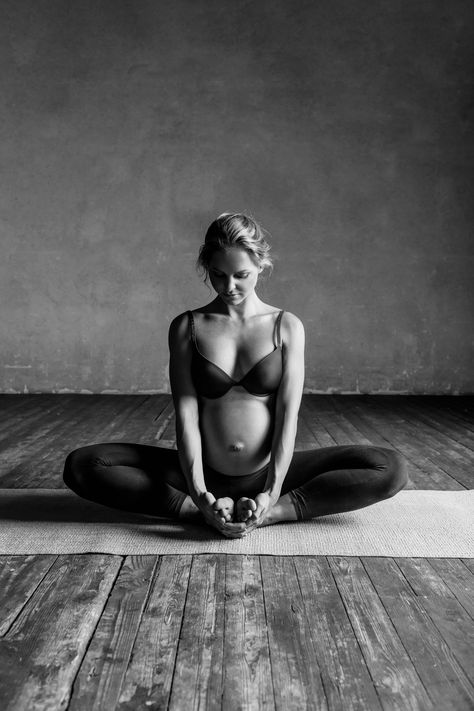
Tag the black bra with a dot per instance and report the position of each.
(212, 382)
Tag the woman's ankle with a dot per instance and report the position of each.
(188, 509)
(283, 510)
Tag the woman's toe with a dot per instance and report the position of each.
(224, 508)
(245, 507)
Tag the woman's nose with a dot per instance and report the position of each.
(230, 285)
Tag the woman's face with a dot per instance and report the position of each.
(233, 274)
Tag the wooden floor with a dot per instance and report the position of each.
(85, 632)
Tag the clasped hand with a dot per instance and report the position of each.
(234, 520)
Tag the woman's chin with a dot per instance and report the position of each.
(234, 299)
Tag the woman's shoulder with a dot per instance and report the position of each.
(181, 324)
(179, 319)
(179, 327)
(286, 317)
(290, 320)
(291, 327)
(186, 316)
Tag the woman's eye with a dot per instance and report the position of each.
(242, 276)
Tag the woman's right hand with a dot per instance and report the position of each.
(205, 503)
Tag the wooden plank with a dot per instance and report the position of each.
(198, 681)
(458, 579)
(99, 425)
(44, 647)
(439, 671)
(149, 675)
(423, 578)
(469, 563)
(140, 426)
(19, 578)
(445, 452)
(355, 410)
(52, 420)
(165, 427)
(435, 420)
(297, 681)
(460, 409)
(169, 433)
(38, 459)
(166, 416)
(397, 438)
(127, 408)
(465, 403)
(13, 406)
(9, 402)
(346, 679)
(405, 414)
(413, 440)
(107, 421)
(93, 424)
(440, 408)
(26, 416)
(247, 671)
(453, 622)
(455, 448)
(305, 438)
(314, 423)
(396, 680)
(23, 463)
(99, 681)
(339, 427)
(338, 404)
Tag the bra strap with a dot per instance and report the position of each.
(277, 329)
(191, 327)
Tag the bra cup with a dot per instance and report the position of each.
(206, 381)
(265, 376)
(212, 382)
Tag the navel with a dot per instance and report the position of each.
(236, 446)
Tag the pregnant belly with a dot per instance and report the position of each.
(236, 432)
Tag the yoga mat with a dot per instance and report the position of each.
(413, 523)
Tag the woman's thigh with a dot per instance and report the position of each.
(125, 475)
(350, 460)
(343, 478)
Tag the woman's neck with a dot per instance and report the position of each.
(251, 306)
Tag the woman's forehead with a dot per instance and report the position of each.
(232, 258)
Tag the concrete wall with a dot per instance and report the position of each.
(345, 126)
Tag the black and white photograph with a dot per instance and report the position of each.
(237, 355)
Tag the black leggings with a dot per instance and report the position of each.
(148, 479)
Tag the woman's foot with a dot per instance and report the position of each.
(224, 509)
(244, 509)
(283, 510)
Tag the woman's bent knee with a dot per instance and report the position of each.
(69, 472)
(79, 463)
(396, 476)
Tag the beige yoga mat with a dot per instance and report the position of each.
(413, 523)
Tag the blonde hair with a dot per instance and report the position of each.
(234, 229)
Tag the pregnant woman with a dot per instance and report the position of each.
(236, 371)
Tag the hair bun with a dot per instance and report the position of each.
(235, 229)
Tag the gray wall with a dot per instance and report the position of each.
(343, 125)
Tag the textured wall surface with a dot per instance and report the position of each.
(344, 126)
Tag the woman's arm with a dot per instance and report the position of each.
(288, 402)
(188, 435)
